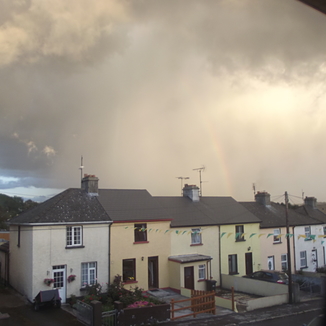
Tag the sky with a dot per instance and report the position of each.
(148, 91)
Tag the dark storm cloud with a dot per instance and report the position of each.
(146, 89)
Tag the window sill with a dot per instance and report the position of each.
(196, 244)
(307, 239)
(202, 280)
(240, 240)
(139, 242)
(277, 242)
(74, 247)
(129, 282)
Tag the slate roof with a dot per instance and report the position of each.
(208, 211)
(70, 206)
(131, 205)
(274, 215)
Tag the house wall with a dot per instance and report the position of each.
(43, 247)
(174, 275)
(21, 260)
(181, 245)
(269, 248)
(229, 246)
(123, 247)
(301, 245)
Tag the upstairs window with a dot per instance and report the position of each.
(277, 235)
(196, 236)
(140, 232)
(74, 236)
(307, 232)
(239, 233)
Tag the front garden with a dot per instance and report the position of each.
(117, 294)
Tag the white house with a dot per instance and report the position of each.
(63, 242)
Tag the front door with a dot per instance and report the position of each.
(270, 263)
(59, 276)
(153, 272)
(314, 259)
(248, 257)
(189, 278)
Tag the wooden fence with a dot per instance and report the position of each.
(200, 302)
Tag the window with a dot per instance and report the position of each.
(303, 259)
(239, 233)
(307, 232)
(88, 274)
(141, 232)
(74, 236)
(324, 230)
(196, 236)
(277, 235)
(202, 272)
(233, 264)
(129, 270)
(284, 262)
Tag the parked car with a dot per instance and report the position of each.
(270, 276)
(317, 321)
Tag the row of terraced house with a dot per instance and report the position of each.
(88, 235)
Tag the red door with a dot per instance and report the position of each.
(189, 278)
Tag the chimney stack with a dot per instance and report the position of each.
(192, 192)
(263, 198)
(311, 202)
(90, 184)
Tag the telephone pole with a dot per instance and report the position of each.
(288, 246)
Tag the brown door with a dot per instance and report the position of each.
(248, 263)
(189, 278)
(153, 272)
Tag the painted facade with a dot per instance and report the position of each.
(273, 243)
(148, 259)
(40, 252)
(240, 255)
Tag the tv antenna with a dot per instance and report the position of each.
(254, 188)
(182, 178)
(200, 170)
(81, 168)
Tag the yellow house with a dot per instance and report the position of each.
(199, 249)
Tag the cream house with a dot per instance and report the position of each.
(62, 243)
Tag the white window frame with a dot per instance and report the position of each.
(284, 262)
(196, 238)
(307, 232)
(74, 236)
(303, 259)
(202, 272)
(88, 273)
(277, 238)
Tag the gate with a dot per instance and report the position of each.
(200, 302)
(109, 318)
(84, 313)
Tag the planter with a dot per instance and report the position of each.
(144, 315)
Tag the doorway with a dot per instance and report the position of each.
(153, 273)
(59, 277)
(248, 257)
(270, 263)
(189, 277)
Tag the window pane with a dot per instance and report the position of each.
(129, 272)
(140, 232)
(196, 236)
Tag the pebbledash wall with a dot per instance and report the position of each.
(42, 247)
(123, 246)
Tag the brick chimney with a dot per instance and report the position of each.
(192, 192)
(90, 184)
(310, 202)
(263, 198)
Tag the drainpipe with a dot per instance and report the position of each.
(109, 255)
(219, 255)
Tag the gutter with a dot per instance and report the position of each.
(62, 223)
